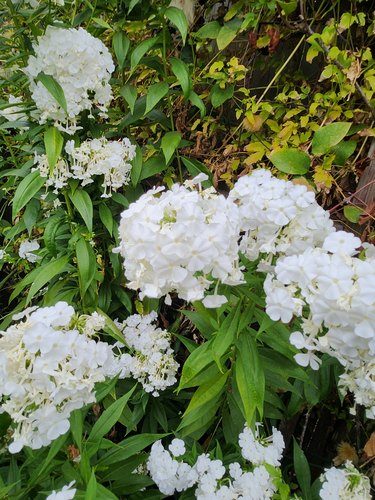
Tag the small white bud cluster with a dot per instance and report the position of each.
(152, 363)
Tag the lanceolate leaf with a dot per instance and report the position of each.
(169, 144)
(53, 142)
(155, 93)
(178, 18)
(181, 71)
(27, 189)
(54, 88)
(82, 202)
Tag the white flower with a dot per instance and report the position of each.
(342, 242)
(48, 368)
(26, 250)
(345, 484)
(261, 450)
(179, 241)
(66, 493)
(81, 65)
(152, 363)
(277, 216)
(213, 301)
(177, 447)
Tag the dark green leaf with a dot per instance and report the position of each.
(86, 262)
(82, 202)
(181, 71)
(219, 95)
(178, 18)
(155, 93)
(129, 93)
(53, 142)
(169, 144)
(121, 44)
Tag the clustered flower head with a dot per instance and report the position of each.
(49, 365)
(345, 484)
(277, 216)
(208, 475)
(96, 157)
(152, 363)
(180, 240)
(339, 289)
(27, 249)
(81, 64)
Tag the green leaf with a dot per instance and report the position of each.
(249, 377)
(291, 161)
(178, 18)
(288, 7)
(181, 72)
(140, 51)
(54, 88)
(102, 23)
(120, 44)
(352, 213)
(86, 262)
(302, 470)
(155, 93)
(225, 37)
(46, 274)
(76, 426)
(153, 166)
(137, 166)
(26, 190)
(209, 30)
(31, 213)
(195, 363)
(128, 447)
(195, 167)
(169, 144)
(211, 390)
(219, 96)
(197, 101)
(129, 93)
(54, 448)
(90, 493)
(343, 151)
(328, 136)
(226, 335)
(53, 142)
(109, 417)
(82, 202)
(106, 217)
(132, 4)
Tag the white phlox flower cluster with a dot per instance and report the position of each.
(96, 157)
(66, 493)
(81, 64)
(180, 240)
(277, 216)
(49, 365)
(102, 157)
(258, 450)
(339, 289)
(346, 483)
(361, 382)
(35, 3)
(171, 475)
(152, 363)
